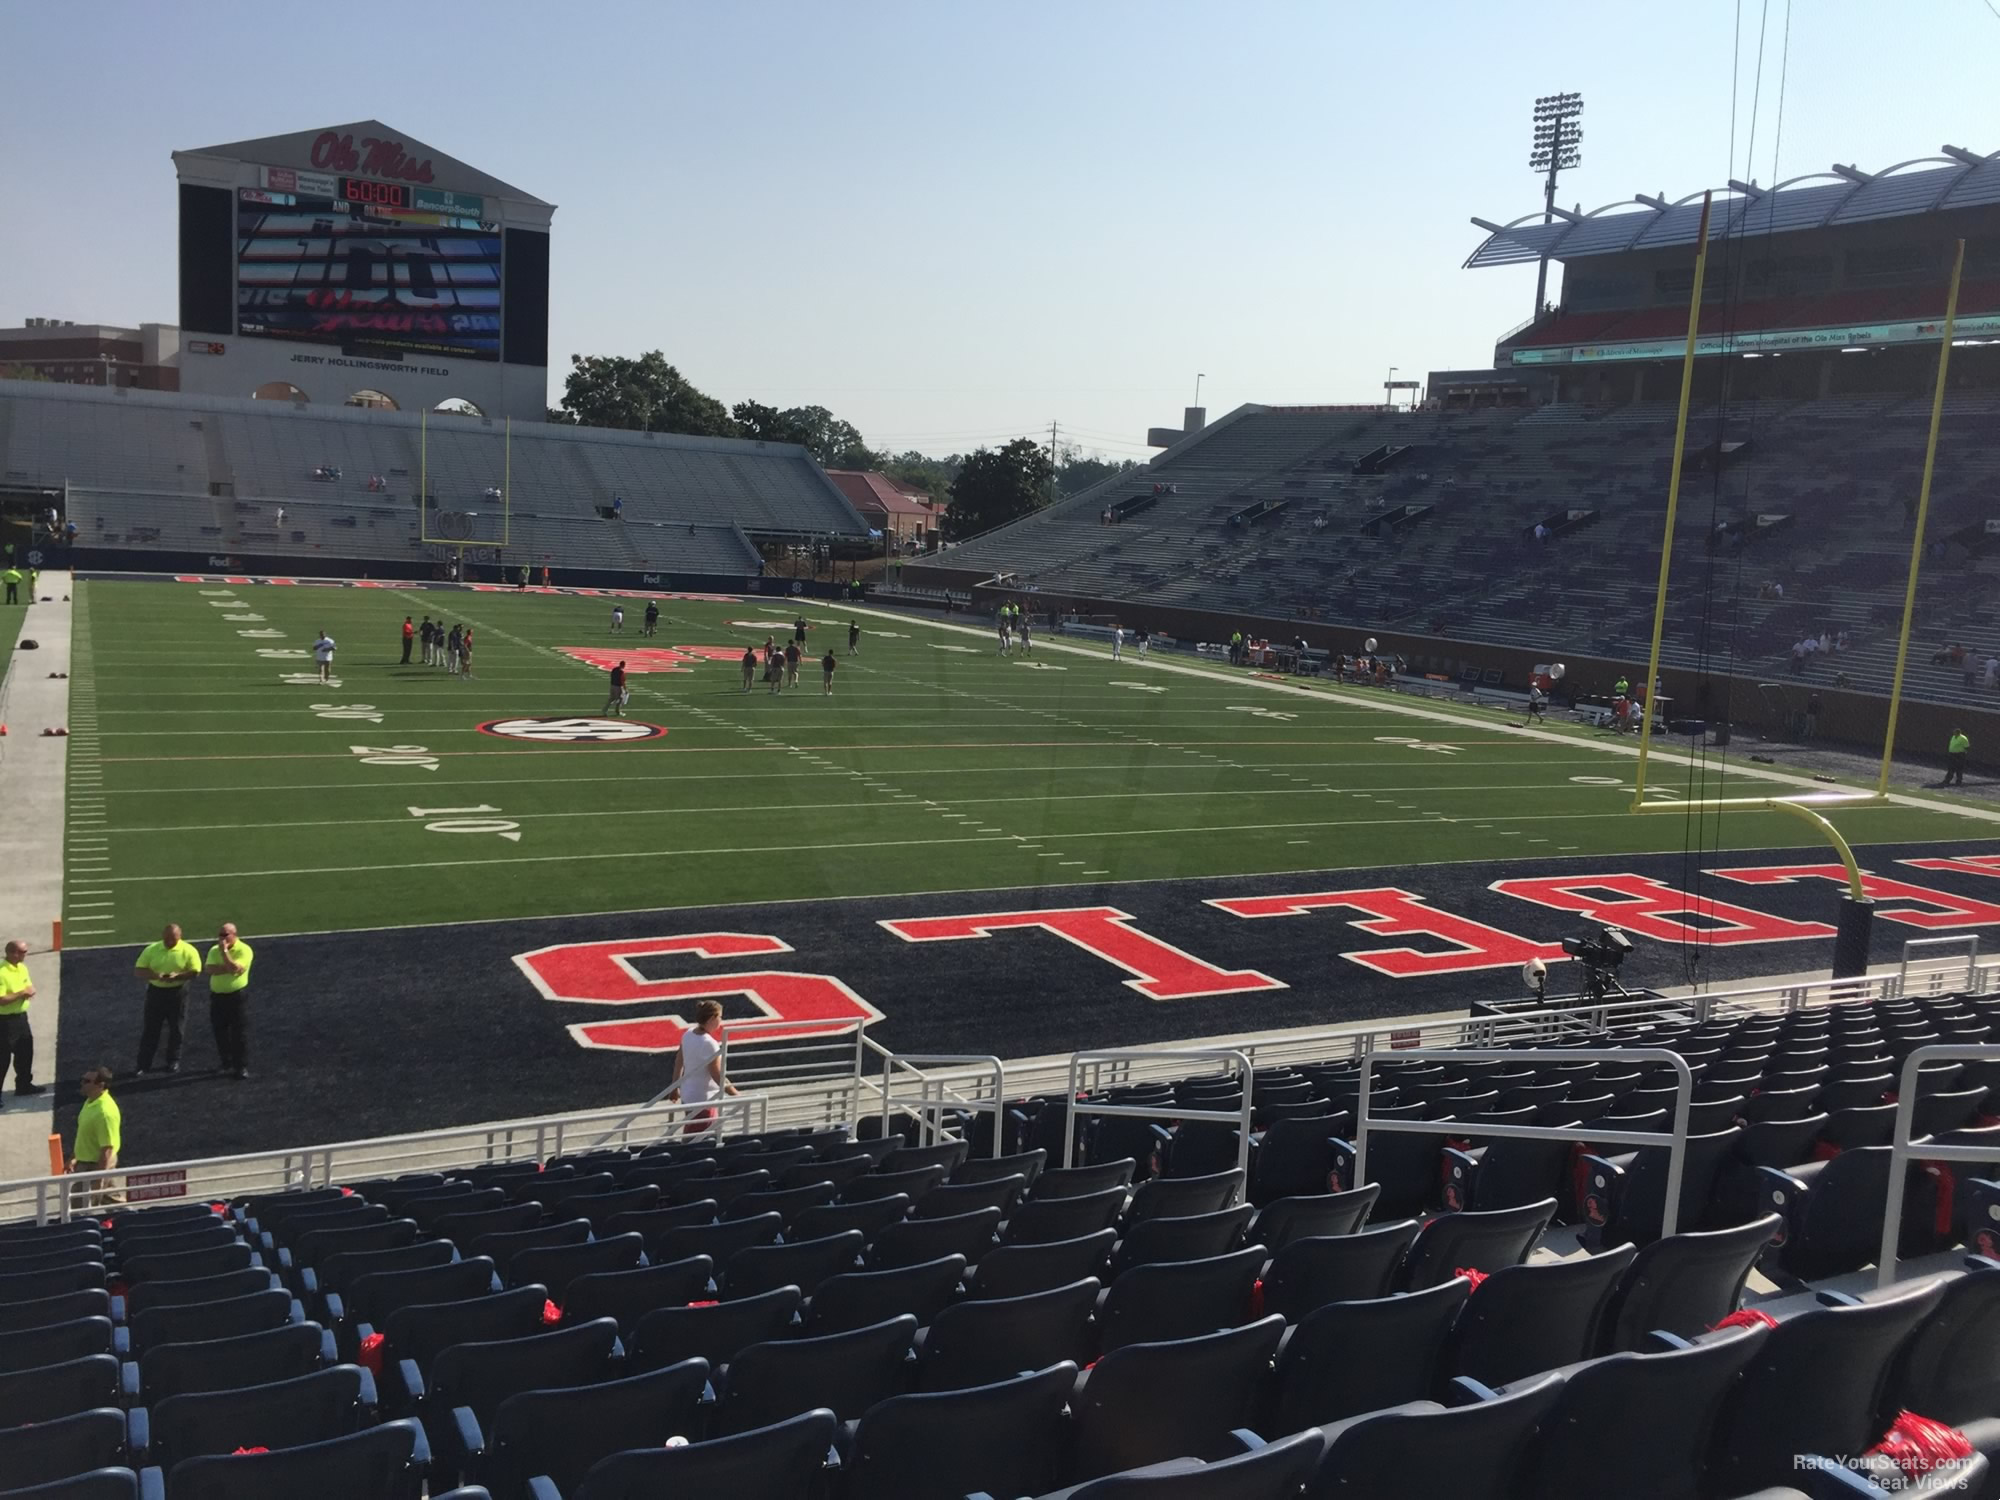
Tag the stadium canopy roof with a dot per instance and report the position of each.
(1818, 200)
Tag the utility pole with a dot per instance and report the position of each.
(1556, 148)
(1052, 463)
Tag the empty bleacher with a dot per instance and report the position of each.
(147, 471)
(1470, 569)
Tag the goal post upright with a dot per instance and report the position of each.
(1923, 515)
(1647, 696)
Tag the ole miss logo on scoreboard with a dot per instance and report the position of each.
(1317, 948)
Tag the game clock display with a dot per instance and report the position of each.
(374, 194)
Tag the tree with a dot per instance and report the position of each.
(993, 488)
(643, 395)
(837, 444)
(920, 472)
(1077, 473)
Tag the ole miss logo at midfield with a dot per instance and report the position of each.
(651, 658)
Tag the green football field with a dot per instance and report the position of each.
(211, 778)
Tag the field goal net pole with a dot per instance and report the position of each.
(1851, 943)
(424, 495)
(1923, 514)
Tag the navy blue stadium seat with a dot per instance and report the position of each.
(559, 1433)
(97, 1484)
(1281, 1220)
(717, 1241)
(42, 1452)
(1177, 1197)
(628, 1296)
(1312, 1272)
(716, 1332)
(1005, 1437)
(1178, 1299)
(1527, 1318)
(228, 1364)
(1480, 1240)
(979, 1341)
(53, 1343)
(857, 1298)
(378, 1463)
(843, 1372)
(1469, 1452)
(1182, 1237)
(868, 1216)
(1267, 1471)
(194, 1321)
(785, 1461)
(505, 1247)
(1349, 1357)
(414, 1335)
(371, 1300)
(1080, 1182)
(466, 1383)
(225, 1287)
(1683, 1284)
(913, 1241)
(327, 1403)
(1589, 1443)
(800, 1263)
(1043, 1219)
(557, 1266)
(1013, 1270)
(63, 1307)
(1183, 1399)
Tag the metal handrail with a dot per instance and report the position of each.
(1675, 1140)
(319, 1166)
(938, 1094)
(1970, 940)
(1901, 1147)
(1240, 1116)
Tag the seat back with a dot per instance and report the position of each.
(480, 1376)
(628, 1296)
(1528, 1318)
(1296, 1157)
(377, 1461)
(914, 1241)
(1950, 1369)
(313, 1247)
(54, 1343)
(786, 1458)
(211, 1261)
(1349, 1357)
(1683, 1284)
(845, 1372)
(1590, 1443)
(41, 1452)
(193, 1321)
(854, 1299)
(1312, 1272)
(717, 1241)
(1025, 1164)
(1148, 1402)
(373, 1298)
(556, 1266)
(947, 1154)
(800, 1263)
(229, 1364)
(280, 1414)
(344, 1267)
(1175, 1197)
(715, 1333)
(1814, 1387)
(1483, 1240)
(913, 1183)
(1016, 1269)
(563, 1432)
(64, 1307)
(997, 1338)
(46, 1392)
(505, 1247)
(151, 1294)
(1471, 1452)
(999, 1438)
(786, 1202)
(1276, 1469)
(1190, 1237)
(1315, 1215)
(1179, 1299)
(506, 1218)
(1078, 1182)
(53, 1281)
(1064, 1217)
(422, 1330)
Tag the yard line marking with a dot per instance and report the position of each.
(80, 905)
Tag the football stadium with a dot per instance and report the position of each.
(1433, 948)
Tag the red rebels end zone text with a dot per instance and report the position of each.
(794, 1004)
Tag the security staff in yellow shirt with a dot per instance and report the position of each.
(228, 969)
(17, 1037)
(166, 966)
(100, 1136)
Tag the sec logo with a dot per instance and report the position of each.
(573, 731)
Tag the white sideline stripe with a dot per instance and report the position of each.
(1439, 716)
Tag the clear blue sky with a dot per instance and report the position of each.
(953, 222)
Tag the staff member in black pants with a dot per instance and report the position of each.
(166, 966)
(228, 970)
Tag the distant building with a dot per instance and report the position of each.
(146, 357)
(890, 508)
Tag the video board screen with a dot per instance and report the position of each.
(367, 275)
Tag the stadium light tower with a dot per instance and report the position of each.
(1556, 149)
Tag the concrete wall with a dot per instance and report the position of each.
(329, 377)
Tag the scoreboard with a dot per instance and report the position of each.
(368, 264)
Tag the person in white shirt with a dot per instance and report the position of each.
(1117, 642)
(617, 619)
(323, 654)
(698, 1076)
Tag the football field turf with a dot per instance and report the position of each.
(213, 778)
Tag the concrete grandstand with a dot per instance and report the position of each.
(155, 481)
